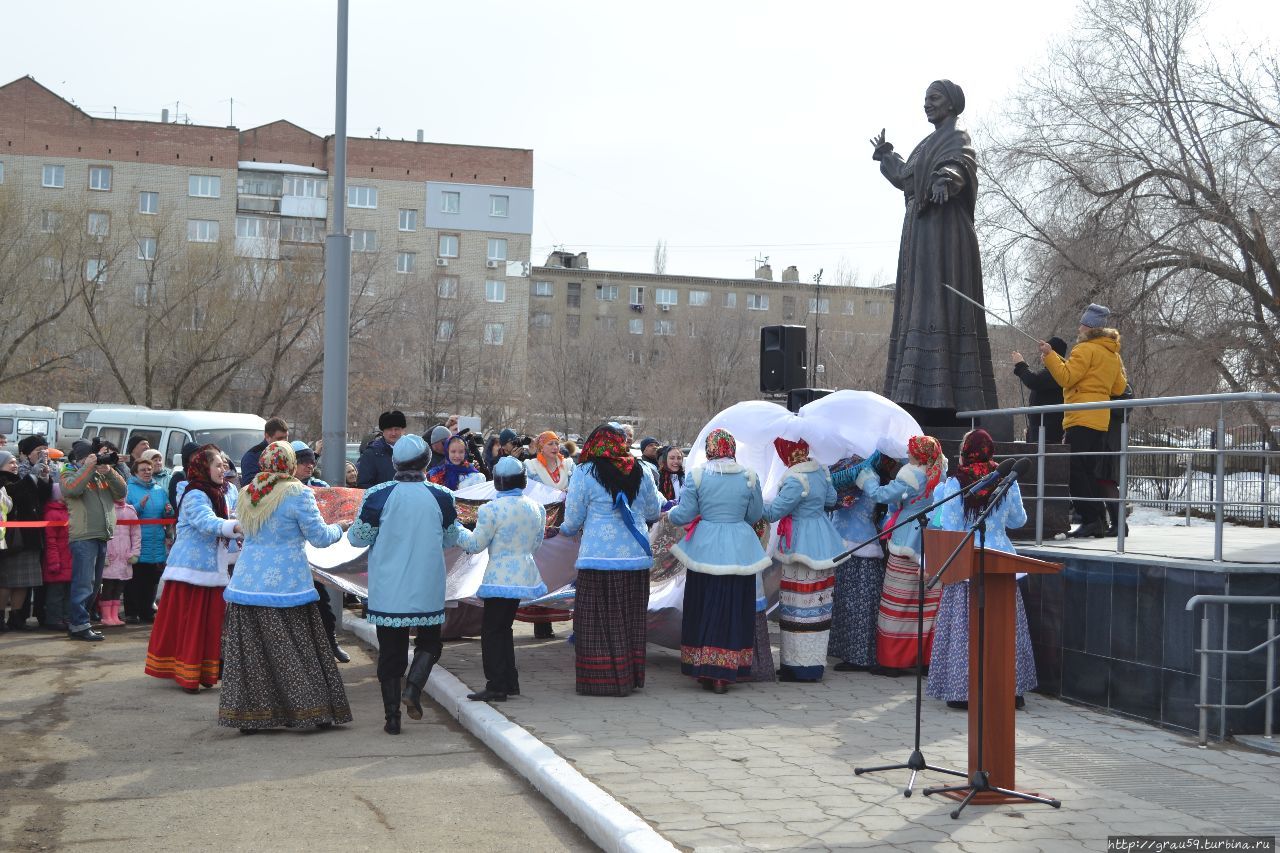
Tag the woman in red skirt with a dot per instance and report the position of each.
(186, 642)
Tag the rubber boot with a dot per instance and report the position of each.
(111, 613)
(419, 672)
(391, 705)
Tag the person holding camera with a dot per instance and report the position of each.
(91, 485)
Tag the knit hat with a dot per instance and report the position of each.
(1095, 316)
(438, 434)
(188, 450)
(392, 419)
(31, 444)
(304, 454)
(646, 441)
(80, 449)
(409, 449)
(1059, 346)
(508, 474)
(507, 436)
(5, 456)
(134, 441)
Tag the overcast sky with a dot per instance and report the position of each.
(730, 130)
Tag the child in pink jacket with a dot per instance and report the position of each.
(57, 563)
(122, 552)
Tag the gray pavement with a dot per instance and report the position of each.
(770, 766)
(97, 756)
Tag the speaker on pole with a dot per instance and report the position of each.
(783, 359)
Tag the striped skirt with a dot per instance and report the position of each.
(718, 629)
(186, 640)
(896, 621)
(610, 630)
(859, 581)
(949, 670)
(805, 619)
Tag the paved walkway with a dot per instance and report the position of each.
(770, 766)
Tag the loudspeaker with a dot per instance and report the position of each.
(797, 397)
(783, 359)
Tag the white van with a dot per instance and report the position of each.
(167, 430)
(71, 418)
(18, 421)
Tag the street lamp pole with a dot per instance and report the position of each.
(337, 285)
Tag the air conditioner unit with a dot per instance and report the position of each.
(442, 262)
(492, 265)
(666, 307)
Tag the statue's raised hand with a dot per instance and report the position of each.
(878, 140)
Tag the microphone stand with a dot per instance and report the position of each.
(916, 761)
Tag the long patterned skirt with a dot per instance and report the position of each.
(718, 632)
(186, 640)
(805, 619)
(280, 671)
(949, 671)
(896, 621)
(610, 628)
(859, 581)
(762, 668)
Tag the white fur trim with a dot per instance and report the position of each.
(196, 577)
(799, 470)
(903, 551)
(722, 466)
(803, 560)
(714, 569)
(867, 478)
(912, 475)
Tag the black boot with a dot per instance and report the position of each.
(339, 653)
(543, 631)
(391, 705)
(419, 672)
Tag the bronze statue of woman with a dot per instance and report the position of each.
(939, 355)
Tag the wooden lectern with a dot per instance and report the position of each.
(997, 687)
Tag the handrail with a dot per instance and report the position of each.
(1225, 652)
(1142, 403)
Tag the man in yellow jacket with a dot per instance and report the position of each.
(1092, 373)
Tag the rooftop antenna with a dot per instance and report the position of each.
(758, 262)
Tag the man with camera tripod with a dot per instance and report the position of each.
(90, 487)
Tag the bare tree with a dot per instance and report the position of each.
(660, 257)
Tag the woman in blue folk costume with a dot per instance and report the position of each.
(610, 499)
(807, 546)
(722, 554)
(278, 669)
(949, 670)
(511, 526)
(860, 578)
(408, 523)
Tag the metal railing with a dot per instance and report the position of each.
(1219, 453)
(1225, 651)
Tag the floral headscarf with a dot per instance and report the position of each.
(200, 479)
(976, 451)
(925, 451)
(273, 483)
(608, 444)
(791, 452)
(721, 445)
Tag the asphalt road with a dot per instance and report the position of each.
(97, 756)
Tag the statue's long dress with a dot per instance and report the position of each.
(939, 354)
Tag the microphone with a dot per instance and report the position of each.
(1021, 467)
(999, 473)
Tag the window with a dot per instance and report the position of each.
(498, 205)
(146, 248)
(607, 292)
(606, 324)
(693, 330)
(731, 300)
(635, 295)
(142, 294)
(202, 231)
(54, 176)
(50, 221)
(444, 330)
(304, 230)
(573, 295)
(495, 291)
(757, 302)
(256, 228)
(204, 186)
(573, 324)
(198, 317)
(405, 261)
(788, 307)
(363, 240)
(100, 178)
(635, 326)
(542, 288)
(95, 269)
(306, 187)
(49, 268)
(540, 320)
(635, 356)
(819, 305)
(874, 308)
(666, 296)
(450, 201)
(698, 297)
(99, 224)
(447, 287)
(366, 197)
(664, 327)
(148, 202)
(448, 246)
(497, 249)
(408, 220)
(494, 333)
(849, 307)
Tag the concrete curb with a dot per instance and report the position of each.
(606, 821)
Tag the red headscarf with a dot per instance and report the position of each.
(791, 452)
(976, 451)
(200, 479)
(608, 444)
(721, 445)
(925, 451)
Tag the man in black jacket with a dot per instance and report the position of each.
(375, 465)
(274, 430)
(1045, 391)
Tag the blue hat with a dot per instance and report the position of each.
(1096, 316)
(507, 467)
(407, 449)
(304, 453)
(507, 436)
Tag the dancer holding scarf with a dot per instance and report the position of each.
(455, 472)
(280, 671)
(722, 553)
(859, 579)
(609, 501)
(907, 494)
(807, 545)
(549, 468)
(949, 671)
